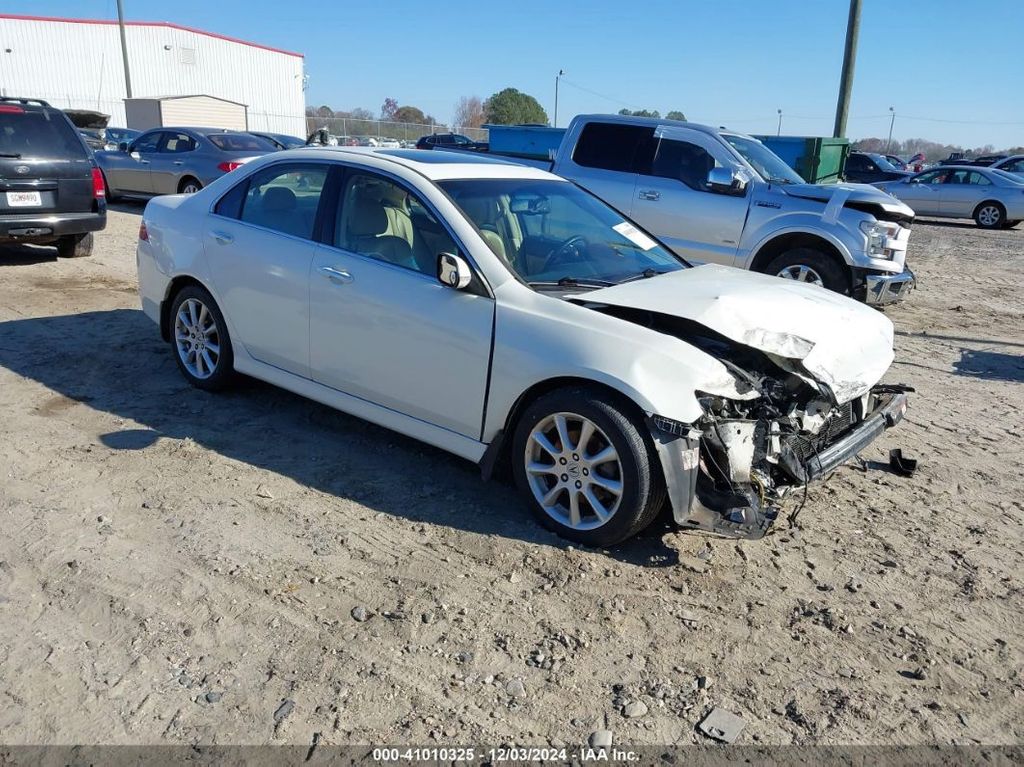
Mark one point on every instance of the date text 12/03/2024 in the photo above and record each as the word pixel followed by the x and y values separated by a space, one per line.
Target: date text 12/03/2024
pixel 470 754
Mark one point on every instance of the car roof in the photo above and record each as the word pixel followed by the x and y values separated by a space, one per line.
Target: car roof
pixel 434 164
pixel 654 122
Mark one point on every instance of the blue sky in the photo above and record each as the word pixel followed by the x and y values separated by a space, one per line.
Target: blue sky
pixel 723 62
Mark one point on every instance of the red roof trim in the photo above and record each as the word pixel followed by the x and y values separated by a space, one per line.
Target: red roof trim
pixel 167 24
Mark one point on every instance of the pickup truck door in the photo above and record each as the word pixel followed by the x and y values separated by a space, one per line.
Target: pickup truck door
pixel 674 202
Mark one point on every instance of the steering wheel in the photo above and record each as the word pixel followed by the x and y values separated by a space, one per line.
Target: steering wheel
pixel 567 252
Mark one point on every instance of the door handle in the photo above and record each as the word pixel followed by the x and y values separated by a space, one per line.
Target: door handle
pixel 178 162
pixel 649 194
pixel 223 238
pixel 336 275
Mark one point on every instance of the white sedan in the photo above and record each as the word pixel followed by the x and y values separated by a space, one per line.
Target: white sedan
pixel 505 315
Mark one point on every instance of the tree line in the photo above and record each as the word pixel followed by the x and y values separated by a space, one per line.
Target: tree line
pixel 933 150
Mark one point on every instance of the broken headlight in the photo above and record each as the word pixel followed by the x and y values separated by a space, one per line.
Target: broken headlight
pixel 878 234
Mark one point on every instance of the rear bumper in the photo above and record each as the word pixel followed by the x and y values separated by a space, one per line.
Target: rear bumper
pixel 42 227
pixel 881 289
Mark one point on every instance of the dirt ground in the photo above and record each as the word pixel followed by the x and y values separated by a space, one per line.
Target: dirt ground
pixel 178 567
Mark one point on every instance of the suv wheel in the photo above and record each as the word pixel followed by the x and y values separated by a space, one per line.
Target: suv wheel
pixel 811 266
pixel 584 466
pixel 75 245
pixel 199 335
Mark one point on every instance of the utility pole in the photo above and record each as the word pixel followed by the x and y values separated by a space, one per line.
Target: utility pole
pixel 892 120
pixel 561 72
pixel 779 131
pixel 849 61
pixel 124 49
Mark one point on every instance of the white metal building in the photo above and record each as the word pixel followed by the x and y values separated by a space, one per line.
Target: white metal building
pixel 76 64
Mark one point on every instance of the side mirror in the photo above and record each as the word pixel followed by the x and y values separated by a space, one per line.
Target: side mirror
pixel 135 156
pixel 726 181
pixel 453 271
pixel 122 147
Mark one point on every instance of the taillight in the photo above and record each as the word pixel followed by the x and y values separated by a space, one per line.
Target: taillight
pixel 143 233
pixel 227 167
pixel 98 187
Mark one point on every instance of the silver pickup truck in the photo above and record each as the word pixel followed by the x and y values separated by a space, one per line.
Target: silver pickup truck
pixel 713 195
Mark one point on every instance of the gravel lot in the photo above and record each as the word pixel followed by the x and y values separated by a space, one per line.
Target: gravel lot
pixel 178 567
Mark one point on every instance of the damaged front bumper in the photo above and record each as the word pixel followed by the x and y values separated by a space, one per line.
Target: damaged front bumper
pixel 882 288
pixel 748 507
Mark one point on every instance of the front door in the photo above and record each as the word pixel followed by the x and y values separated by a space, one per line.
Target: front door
pixel 674 202
pixel 381 326
pixel 259 243
pixel 923 193
pixel 131 173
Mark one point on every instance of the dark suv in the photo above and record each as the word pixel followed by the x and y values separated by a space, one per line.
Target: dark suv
pixel 51 191
pixel 449 141
pixel 871 168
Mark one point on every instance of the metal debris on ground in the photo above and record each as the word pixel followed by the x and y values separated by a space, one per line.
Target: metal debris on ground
pixel 721 725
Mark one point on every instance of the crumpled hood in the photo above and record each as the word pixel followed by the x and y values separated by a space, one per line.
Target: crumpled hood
pixel 838 341
pixel 862 193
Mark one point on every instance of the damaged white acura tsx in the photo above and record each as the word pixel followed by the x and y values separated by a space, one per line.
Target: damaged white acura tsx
pixel 505 315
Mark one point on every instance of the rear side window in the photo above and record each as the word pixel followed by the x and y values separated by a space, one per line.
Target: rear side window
pixel 38 133
pixel 285 198
pixel 240 142
pixel 177 143
pixel 613 146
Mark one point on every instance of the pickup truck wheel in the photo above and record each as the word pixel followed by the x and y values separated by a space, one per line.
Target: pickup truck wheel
pixel 585 468
pixel 810 266
pixel 75 245
pixel 199 337
pixel 990 215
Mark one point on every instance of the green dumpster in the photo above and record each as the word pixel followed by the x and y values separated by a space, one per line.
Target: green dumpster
pixel 818 159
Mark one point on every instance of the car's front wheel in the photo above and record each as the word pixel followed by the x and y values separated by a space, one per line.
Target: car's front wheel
pixel 199 336
pixel 583 464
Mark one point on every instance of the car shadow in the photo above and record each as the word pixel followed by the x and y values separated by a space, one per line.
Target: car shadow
pixel 955 224
pixel 23 255
pixel 990 366
pixel 126 205
pixel 116 362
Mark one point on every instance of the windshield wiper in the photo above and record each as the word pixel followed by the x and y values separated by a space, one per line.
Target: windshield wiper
pixel 646 274
pixel 15 155
pixel 573 282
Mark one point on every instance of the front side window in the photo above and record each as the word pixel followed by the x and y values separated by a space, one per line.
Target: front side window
pixel 147 142
pixel 1017 166
pixel 551 233
pixel 380 219
pixel 683 161
pixel 932 177
pixel 283 198
pixel 615 146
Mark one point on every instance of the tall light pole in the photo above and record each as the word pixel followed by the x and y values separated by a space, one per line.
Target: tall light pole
pixel 892 120
pixel 779 131
pixel 849 61
pixel 561 72
pixel 124 49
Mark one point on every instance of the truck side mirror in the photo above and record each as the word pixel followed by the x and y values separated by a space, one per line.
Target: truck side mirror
pixel 726 181
pixel 123 146
pixel 453 271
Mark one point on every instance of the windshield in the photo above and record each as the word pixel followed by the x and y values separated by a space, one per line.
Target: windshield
pixel 291 142
pixel 768 164
pixel 240 142
pixel 552 234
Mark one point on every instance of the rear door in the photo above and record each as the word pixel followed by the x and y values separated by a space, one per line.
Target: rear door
pixel 168 163
pixel 962 193
pixel 44 165
pixel 606 161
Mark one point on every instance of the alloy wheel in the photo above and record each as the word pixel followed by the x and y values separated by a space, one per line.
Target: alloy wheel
pixel 801 273
pixel 197 338
pixel 573 471
pixel 989 215
pixel 190 188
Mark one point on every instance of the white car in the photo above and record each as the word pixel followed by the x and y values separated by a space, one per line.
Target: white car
pixel 505 315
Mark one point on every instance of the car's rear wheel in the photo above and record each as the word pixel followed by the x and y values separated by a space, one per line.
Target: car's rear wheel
pixel 75 245
pixel 811 266
pixel 990 215
pixel 581 461
pixel 199 336
pixel 189 185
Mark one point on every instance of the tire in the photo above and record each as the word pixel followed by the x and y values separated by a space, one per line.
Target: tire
pixel 75 245
pixel 633 470
pixel 189 185
pixel 990 215
pixel 812 266
pixel 196 351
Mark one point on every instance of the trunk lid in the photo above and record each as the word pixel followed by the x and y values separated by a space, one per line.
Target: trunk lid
pixel 839 342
